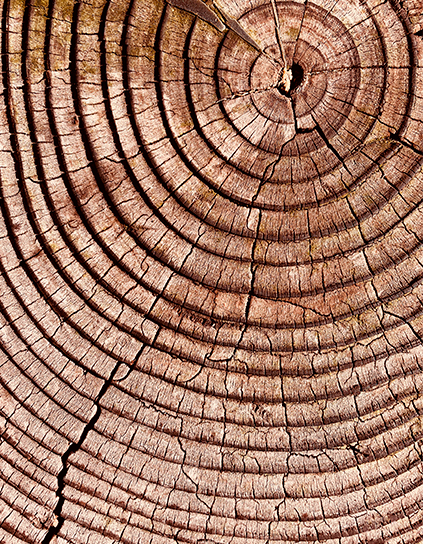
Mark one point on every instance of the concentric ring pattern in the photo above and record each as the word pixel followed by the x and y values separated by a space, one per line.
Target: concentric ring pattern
pixel 211 271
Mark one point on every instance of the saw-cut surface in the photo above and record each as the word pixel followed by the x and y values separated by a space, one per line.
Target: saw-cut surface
pixel 211 264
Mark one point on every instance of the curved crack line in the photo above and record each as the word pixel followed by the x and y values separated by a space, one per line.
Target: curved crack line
pixel 76 446
pixel 286 75
pixel 247 93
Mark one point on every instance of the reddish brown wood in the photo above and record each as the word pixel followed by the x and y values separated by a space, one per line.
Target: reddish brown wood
pixel 210 272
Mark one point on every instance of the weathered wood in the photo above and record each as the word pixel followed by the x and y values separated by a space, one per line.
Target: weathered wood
pixel 211 259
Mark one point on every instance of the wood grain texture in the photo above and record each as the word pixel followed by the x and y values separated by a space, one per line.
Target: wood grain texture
pixel 211 263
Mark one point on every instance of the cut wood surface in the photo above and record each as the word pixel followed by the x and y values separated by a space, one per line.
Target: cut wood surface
pixel 211 264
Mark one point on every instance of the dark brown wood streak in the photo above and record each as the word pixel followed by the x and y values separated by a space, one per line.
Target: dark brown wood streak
pixel 211 265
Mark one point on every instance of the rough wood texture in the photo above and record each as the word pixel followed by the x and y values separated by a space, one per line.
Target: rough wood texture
pixel 211 325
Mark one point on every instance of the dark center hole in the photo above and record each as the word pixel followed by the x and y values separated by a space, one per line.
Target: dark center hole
pixel 297 78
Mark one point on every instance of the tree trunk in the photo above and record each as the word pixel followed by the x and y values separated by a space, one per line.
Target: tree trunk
pixel 211 320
